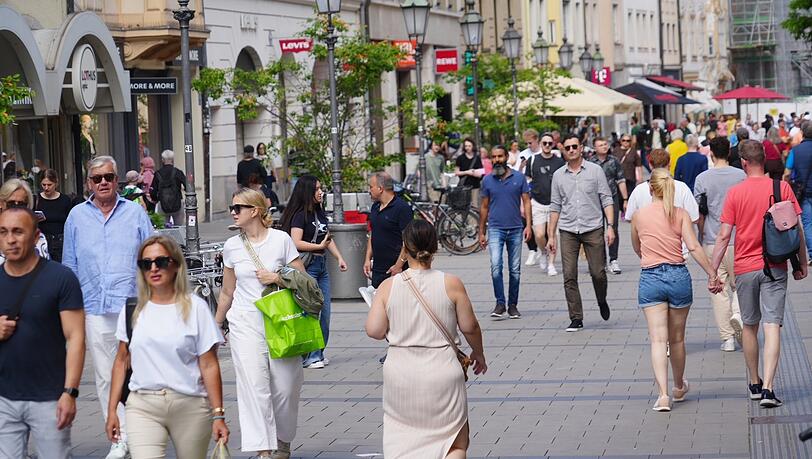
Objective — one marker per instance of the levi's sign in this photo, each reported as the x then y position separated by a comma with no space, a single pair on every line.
295,45
446,60
154,85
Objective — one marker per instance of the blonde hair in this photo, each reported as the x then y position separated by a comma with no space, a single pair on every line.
183,291
13,185
256,199
662,188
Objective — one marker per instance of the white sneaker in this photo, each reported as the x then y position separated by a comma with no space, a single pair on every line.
316,365
614,266
118,451
729,345
367,293
738,325
551,270
532,258
326,361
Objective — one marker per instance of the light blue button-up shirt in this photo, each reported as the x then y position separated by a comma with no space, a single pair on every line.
102,253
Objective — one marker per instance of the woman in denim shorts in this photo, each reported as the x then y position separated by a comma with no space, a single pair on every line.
665,293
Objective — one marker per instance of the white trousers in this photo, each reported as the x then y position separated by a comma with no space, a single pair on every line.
100,332
268,389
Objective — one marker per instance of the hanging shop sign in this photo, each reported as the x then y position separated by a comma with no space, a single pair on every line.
84,78
295,45
602,77
153,85
446,60
408,47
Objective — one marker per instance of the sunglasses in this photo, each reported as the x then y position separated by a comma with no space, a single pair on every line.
571,147
145,264
237,208
625,140
109,178
547,144
16,204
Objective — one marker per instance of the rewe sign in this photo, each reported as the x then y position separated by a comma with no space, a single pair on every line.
446,60
295,45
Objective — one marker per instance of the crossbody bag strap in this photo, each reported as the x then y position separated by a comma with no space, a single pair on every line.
14,312
776,191
250,249
422,300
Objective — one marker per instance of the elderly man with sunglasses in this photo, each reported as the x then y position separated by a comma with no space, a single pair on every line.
102,237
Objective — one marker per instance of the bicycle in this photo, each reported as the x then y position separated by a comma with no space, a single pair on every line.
457,226
206,272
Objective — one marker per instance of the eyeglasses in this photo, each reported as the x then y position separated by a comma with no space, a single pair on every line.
237,208
625,140
16,204
109,178
547,144
145,264
571,147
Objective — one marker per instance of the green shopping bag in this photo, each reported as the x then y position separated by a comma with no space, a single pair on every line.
289,331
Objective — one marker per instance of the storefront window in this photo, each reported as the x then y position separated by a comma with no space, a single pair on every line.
25,150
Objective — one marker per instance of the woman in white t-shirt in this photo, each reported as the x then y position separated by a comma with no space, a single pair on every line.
172,350
267,389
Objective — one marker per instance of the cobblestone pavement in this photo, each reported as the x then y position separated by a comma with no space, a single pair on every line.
549,393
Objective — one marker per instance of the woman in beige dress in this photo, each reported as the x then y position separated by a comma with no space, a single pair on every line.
425,408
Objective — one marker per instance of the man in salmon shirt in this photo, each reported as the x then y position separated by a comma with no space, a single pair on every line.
761,299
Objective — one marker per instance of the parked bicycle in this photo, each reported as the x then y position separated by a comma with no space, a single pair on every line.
206,272
456,221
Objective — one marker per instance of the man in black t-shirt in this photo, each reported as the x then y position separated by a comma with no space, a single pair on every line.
539,169
249,165
388,218
166,189
42,343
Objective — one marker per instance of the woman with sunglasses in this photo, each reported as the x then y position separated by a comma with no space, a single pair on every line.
17,193
267,389
304,219
175,387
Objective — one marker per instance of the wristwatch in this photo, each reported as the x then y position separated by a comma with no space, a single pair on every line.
72,391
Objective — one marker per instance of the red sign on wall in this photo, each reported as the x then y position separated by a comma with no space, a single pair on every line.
602,77
295,45
408,47
446,60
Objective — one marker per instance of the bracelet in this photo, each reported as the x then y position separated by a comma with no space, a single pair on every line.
219,410
214,418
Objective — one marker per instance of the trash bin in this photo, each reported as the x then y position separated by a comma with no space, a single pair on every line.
351,239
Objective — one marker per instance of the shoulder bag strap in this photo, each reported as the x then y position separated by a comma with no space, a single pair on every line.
130,306
422,300
250,249
14,312
776,191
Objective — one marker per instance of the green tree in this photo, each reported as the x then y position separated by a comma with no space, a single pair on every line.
11,92
799,20
292,92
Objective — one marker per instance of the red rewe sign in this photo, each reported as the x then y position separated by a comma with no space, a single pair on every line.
446,60
295,45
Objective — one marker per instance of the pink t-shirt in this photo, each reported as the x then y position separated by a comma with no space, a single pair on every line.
744,208
660,238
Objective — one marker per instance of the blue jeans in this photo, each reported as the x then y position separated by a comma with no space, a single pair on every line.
497,239
318,271
806,219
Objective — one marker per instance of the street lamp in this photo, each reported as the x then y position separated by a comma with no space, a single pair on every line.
585,61
416,15
331,7
597,59
565,55
541,50
512,43
471,23
184,16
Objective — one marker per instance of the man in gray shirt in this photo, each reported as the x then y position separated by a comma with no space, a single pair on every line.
710,190
579,202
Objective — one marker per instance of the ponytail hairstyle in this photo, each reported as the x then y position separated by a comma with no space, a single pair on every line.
420,240
256,199
662,188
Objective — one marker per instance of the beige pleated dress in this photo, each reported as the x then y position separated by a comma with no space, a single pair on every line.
424,400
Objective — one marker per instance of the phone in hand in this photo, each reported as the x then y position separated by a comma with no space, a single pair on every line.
40,215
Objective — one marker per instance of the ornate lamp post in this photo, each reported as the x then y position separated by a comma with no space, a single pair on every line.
597,59
585,61
416,15
184,15
541,50
512,44
472,24
565,55
331,7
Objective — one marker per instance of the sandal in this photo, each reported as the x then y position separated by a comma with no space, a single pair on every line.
679,393
662,407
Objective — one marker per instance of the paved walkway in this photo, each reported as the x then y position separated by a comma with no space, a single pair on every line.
549,393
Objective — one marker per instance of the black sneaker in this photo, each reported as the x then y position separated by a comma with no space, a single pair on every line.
604,307
576,325
769,400
756,389
513,312
498,311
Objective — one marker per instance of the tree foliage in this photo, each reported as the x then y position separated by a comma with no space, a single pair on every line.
799,20
11,92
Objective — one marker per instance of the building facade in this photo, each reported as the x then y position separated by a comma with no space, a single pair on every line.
705,39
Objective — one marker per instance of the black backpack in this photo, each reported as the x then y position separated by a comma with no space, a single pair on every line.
169,193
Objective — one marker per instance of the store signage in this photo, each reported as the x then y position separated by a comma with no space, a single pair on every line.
295,45
446,60
602,77
154,85
194,58
84,78
408,47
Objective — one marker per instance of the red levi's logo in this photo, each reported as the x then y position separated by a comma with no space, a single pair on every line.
295,45
446,60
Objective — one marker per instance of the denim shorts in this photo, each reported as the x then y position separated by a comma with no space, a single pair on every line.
666,283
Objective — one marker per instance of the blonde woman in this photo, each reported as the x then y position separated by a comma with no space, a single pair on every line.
267,389
665,293
17,193
173,356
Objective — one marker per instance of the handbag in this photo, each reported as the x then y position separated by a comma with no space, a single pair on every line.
307,257
462,357
220,451
289,330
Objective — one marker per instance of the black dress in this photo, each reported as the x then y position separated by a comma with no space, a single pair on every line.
56,212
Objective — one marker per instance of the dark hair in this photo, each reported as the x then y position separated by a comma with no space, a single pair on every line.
248,150
254,179
263,145
499,147
720,147
571,136
742,134
752,151
301,200
51,175
468,139
25,210
420,240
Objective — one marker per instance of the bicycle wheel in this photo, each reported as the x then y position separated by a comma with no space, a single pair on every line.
458,231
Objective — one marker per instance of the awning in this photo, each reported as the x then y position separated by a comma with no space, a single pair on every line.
750,92
673,82
647,93
593,100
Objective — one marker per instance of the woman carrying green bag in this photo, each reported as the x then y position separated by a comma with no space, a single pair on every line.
267,389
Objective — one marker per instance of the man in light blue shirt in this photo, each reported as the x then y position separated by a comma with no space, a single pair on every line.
102,238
